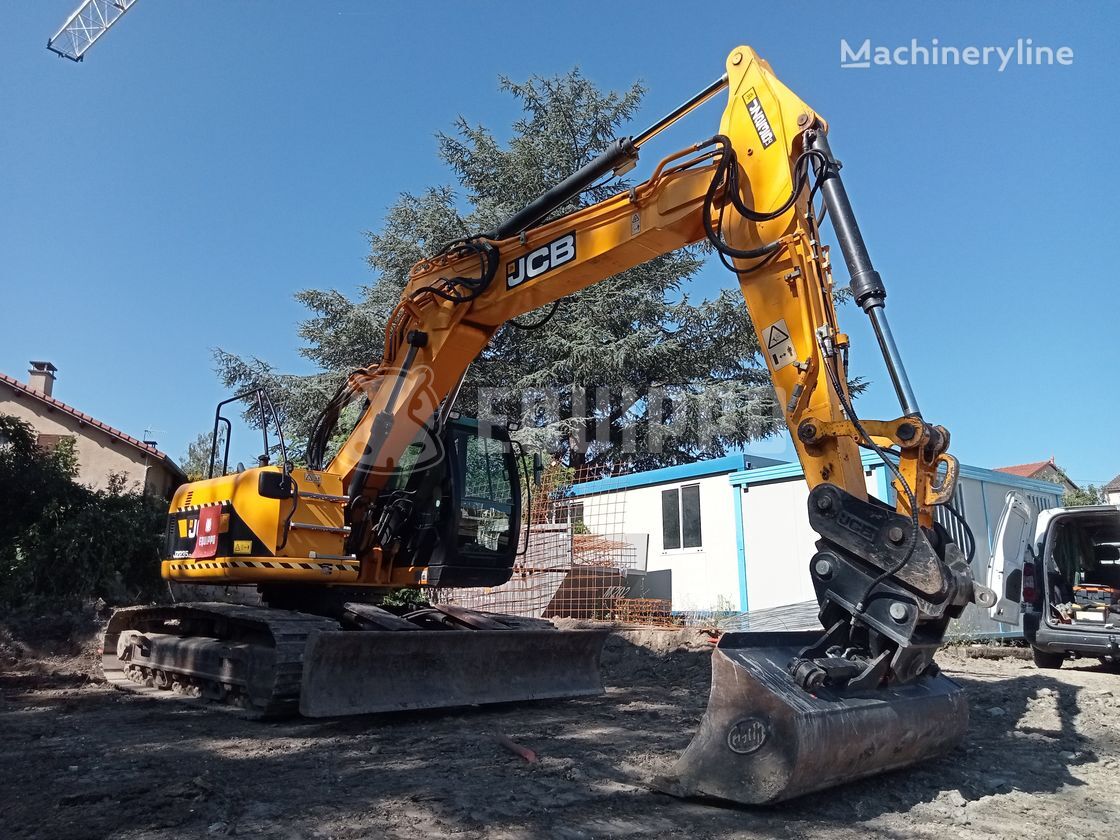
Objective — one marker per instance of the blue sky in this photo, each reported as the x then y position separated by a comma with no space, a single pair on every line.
168,195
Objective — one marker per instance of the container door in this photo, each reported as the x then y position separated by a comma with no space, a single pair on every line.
1005,569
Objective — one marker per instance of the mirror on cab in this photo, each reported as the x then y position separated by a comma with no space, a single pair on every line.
275,485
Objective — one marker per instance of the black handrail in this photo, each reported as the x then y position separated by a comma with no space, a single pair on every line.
214,443
262,397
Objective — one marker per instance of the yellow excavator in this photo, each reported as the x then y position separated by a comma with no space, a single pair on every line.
418,496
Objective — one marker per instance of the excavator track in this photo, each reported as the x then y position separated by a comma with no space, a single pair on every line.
280,663
241,656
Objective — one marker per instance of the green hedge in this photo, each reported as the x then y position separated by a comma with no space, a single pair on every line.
62,543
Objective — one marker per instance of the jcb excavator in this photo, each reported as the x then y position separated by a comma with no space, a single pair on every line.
419,497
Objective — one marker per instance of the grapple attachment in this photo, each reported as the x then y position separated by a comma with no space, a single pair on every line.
349,673
764,738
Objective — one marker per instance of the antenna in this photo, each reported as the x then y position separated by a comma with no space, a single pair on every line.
89,22
149,436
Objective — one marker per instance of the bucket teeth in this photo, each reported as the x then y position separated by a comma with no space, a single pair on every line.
764,739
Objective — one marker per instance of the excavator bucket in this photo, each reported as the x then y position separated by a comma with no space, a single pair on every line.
764,739
350,673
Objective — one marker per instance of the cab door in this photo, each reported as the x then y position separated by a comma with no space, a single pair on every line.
1005,569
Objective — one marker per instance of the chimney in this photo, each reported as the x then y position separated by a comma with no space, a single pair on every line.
41,377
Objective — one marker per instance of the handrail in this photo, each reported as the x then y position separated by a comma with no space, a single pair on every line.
262,398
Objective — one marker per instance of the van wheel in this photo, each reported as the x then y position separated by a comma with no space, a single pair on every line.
1045,659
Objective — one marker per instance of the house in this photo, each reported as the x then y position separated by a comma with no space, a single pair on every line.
731,539
101,449
1111,491
1042,471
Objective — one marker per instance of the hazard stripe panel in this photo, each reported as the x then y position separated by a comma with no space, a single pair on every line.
187,566
188,508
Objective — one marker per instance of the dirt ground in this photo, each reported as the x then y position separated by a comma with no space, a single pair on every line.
78,759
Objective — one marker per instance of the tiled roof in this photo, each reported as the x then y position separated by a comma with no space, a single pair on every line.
1026,470
23,388
1113,485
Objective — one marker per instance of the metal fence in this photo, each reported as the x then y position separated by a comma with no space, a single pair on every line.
565,568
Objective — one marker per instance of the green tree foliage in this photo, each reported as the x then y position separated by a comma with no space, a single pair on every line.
61,542
1090,495
639,338
196,461
30,478
407,599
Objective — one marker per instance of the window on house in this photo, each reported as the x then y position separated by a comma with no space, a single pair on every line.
47,442
567,512
680,517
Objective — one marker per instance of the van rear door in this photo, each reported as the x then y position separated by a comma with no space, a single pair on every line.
1005,569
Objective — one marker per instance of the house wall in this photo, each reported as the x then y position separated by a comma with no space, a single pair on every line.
704,578
1052,474
1112,497
160,481
99,453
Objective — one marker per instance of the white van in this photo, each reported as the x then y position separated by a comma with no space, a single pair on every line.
1057,575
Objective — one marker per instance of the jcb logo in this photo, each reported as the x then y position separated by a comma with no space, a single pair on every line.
857,526
545,258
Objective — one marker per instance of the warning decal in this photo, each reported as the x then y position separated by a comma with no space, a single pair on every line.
779,349
777,335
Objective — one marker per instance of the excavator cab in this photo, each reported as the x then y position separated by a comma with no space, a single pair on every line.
453,504
486,502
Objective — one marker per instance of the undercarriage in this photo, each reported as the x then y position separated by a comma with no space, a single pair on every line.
273,662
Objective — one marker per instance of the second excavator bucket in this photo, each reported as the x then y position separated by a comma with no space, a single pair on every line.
764,739
349,673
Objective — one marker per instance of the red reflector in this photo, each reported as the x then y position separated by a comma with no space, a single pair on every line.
1029,592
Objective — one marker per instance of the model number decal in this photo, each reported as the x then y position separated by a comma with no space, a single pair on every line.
758,117
541,260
